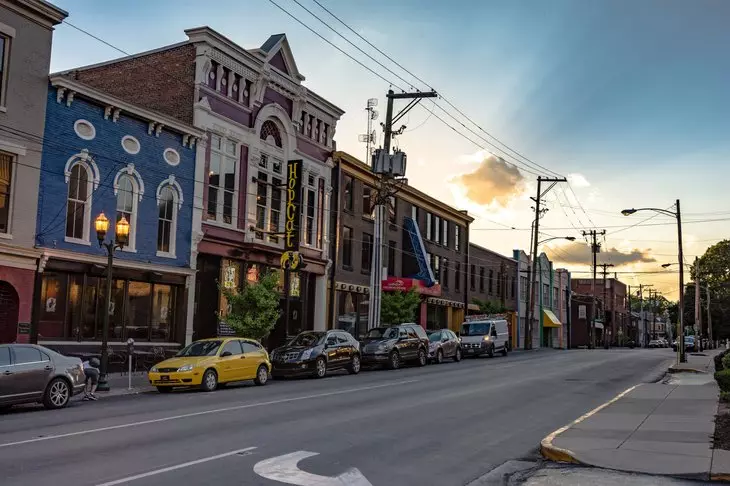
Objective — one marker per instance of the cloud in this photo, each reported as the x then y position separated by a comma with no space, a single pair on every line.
580,253
493,182
578,180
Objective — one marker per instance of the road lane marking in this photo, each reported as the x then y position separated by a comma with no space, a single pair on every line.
285,470
206,412
173,468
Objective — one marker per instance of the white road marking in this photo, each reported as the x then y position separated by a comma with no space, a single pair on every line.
206,412
173,468
285,470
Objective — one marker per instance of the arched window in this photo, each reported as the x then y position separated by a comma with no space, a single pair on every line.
269,129
78,205
166,223
127,205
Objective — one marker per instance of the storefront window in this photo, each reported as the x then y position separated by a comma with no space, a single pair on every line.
116,310
53,306
75,294
436,317
138,311
163,311
352,313
88,324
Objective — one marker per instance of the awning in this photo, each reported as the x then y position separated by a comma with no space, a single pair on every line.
549,319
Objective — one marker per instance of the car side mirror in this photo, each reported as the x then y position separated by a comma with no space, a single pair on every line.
444,339
225,354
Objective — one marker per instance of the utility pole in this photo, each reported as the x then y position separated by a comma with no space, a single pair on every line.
595,248
605,267
631,316
532,270
709,319
698,306
387,167
641,311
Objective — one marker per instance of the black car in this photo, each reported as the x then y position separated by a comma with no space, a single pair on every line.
394,345
315,353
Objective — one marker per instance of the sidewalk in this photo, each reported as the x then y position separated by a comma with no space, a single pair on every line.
119,385
658,428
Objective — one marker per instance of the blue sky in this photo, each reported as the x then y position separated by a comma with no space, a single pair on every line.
629,96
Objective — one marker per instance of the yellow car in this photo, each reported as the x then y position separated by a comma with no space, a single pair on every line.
210,362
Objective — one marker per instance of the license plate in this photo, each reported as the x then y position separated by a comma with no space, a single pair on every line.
164,377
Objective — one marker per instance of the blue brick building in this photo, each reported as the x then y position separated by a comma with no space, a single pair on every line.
104,155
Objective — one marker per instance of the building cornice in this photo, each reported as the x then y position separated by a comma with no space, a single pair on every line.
118,262
60,81
40,11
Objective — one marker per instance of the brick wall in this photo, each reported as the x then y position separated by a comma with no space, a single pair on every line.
501,270
162,81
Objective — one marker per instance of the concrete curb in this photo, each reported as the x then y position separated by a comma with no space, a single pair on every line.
672,369
558,454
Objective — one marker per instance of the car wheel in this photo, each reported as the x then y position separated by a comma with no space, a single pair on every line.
457,356
439,356
422,359
262,375
490,351
57,394
354,367
320,368
210,381
504,350
164,389
394,360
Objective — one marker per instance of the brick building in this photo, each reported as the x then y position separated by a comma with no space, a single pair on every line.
26,34
612,311
413,216
257,115
492,278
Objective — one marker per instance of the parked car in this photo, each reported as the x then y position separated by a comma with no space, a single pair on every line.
443,344
656,343
209,363
665,343
689,343
394,345
315,353
487,336
30,373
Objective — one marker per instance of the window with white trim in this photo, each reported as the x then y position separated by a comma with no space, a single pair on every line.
127,206
428,226
6,179
4,61
269,198
309,207
167,221
445,232
78,206
457,237
222,180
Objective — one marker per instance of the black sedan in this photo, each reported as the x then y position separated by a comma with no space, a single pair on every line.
315,353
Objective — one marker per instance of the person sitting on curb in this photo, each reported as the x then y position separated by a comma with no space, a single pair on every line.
91,370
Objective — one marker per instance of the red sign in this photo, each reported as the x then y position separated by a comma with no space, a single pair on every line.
397,284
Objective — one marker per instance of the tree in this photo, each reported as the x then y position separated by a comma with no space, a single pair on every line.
255,309
714,270
399,307
489,307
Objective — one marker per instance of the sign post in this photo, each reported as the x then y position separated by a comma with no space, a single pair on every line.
290,259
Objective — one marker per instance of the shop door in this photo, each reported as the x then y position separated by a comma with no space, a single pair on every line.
9,307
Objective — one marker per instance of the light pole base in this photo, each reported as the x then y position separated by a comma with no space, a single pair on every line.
103,385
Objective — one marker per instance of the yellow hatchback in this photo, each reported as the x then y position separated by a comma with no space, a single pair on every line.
211,362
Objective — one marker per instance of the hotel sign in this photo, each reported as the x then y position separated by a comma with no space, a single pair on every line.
293,211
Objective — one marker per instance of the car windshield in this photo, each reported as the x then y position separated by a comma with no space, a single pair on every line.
475,329
308,339
435,337
382,333
200,348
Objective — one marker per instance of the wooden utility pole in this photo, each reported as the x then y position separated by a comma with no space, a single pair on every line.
698,307
595,248
605,267
532,269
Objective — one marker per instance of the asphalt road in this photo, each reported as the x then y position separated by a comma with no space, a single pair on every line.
439,425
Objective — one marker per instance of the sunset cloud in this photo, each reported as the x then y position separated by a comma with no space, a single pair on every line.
493,182
580,253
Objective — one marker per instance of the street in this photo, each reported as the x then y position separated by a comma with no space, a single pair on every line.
443,424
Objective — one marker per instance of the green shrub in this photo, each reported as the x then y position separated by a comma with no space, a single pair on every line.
725,397
725,360
718,358
723,380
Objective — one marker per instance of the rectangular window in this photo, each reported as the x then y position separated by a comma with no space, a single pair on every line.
320,214
445,233
262,190
436,229
222,179
473,277
4,57
391,210
347,193
436,265
445,273
76,207
457,276
138,311
163,312
275,210
457,237
391,258
545,294
491,281
309,208
481,279
6,177
514,286
555,297
269,199
166,221
347,247
368,200
367,253
499,284
414,213
523,287
428,226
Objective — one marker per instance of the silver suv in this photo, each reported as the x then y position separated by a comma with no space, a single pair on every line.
30,373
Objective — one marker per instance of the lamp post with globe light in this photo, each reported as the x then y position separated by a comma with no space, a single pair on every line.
121,238
681,356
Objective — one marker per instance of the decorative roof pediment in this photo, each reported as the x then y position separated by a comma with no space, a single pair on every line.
277,53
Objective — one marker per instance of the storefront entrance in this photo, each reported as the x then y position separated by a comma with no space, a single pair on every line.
9,307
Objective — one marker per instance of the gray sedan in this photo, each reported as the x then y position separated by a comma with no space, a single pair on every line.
443,344
34,374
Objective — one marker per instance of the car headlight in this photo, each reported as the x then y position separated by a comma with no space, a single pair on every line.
382,347
154,369
187,367
306,354
486,338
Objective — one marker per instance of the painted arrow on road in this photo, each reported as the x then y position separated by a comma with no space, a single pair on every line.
285,470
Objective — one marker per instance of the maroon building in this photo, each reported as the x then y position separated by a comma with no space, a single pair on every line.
611,297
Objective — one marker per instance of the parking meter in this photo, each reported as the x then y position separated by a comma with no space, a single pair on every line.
130,353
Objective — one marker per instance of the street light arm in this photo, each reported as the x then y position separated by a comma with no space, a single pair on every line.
628,212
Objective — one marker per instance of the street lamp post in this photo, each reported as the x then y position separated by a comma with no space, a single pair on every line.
530,289
681,357
121,238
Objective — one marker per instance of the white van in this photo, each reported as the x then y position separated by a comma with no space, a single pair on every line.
484,336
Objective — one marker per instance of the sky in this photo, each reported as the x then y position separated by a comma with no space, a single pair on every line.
627,100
